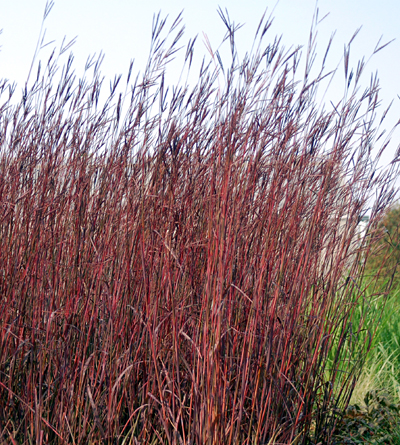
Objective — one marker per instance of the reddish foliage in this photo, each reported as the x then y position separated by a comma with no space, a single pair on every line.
177,275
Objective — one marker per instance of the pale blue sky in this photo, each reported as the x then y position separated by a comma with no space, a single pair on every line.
121,28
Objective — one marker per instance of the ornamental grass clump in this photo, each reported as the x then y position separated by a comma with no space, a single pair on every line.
181,265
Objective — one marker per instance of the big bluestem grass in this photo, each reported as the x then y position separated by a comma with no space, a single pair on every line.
177,267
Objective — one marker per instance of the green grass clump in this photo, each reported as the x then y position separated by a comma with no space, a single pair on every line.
382,368
373,414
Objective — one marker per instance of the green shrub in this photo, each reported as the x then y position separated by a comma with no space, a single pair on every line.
377,422
385,252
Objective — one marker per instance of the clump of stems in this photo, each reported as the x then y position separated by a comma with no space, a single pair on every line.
182,265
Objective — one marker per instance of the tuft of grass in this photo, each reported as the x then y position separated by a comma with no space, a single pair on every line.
373,414
382,367
176,265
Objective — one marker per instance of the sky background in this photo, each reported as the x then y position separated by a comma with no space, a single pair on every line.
122,30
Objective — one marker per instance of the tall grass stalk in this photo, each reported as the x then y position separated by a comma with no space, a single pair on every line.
174,266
